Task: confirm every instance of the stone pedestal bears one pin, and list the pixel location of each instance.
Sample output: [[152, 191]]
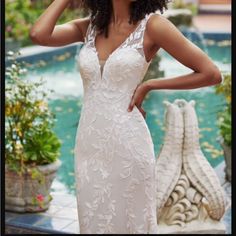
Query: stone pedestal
[[194, 227], [20, 191], [190, 198]]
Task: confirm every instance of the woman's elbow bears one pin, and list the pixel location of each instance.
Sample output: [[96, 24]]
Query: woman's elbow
[[33, 36], [37, 38], [214, 76]]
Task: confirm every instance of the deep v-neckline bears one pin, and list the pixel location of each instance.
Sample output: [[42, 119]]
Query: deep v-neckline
[[115, 50]]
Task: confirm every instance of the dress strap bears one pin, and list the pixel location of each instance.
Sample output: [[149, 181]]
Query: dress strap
[[87, 40], [137, 40], [143, 28], [89, 33]]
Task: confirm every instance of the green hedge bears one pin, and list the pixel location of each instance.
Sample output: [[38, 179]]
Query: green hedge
[[21, 15]]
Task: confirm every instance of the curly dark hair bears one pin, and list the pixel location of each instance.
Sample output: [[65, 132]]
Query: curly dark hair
[[101, 11]]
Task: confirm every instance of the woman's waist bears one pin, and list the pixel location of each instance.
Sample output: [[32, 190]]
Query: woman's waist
[[110, 96], [115, 104], [123, 126], [103, 115]]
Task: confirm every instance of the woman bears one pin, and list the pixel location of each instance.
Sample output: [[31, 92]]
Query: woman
[[114, 154]]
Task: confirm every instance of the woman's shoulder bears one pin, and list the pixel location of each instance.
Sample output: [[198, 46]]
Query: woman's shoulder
[[157, 21], [158, 25]]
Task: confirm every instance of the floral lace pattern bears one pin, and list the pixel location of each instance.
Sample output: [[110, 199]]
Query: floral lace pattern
[[114, 152]]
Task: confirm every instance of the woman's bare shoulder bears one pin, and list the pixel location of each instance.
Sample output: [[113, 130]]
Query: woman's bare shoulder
[[160, 29], [158, 23]]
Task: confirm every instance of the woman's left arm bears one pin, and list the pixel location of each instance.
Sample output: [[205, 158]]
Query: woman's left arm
[[165, 35]]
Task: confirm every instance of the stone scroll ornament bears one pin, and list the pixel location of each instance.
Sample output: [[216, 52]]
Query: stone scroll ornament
[[190, 198]]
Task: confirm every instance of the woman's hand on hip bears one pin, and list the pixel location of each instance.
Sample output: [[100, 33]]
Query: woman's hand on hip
[[138, 97]]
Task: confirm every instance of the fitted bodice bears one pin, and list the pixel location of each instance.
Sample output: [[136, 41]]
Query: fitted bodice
[[120, 74]]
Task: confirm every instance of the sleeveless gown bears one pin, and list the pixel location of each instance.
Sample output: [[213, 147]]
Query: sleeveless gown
[[114, 152]]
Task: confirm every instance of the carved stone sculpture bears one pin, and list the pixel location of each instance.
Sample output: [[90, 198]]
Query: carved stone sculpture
[[190, 198], [169, 161]]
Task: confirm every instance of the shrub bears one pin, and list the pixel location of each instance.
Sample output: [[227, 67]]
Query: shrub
[[21, 15], [154, 69], [224, 117], [30, 140]]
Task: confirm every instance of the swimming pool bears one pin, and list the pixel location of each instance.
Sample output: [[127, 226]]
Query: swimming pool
[[58, 69]]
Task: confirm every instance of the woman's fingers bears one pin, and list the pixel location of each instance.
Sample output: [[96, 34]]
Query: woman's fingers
[[136, 99], [131, 105], [132, 102], [142, 111]]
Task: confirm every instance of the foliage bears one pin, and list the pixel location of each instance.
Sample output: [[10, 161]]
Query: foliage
[[42, 146], [224, 117], [154, 69], [181, 19], [224, 122], [30, 140], [181, 4], [225, 88], [21, 15], [18, 17]]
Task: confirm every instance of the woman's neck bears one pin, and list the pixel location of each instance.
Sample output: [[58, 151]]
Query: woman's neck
[[121, 11]]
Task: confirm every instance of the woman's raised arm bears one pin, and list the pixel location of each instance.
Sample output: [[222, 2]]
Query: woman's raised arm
[[45, 32]]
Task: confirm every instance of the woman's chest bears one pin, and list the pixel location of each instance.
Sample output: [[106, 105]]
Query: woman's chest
[[124, 62]]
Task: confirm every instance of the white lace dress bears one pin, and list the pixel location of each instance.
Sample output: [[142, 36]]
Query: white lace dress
[[114, 151]]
